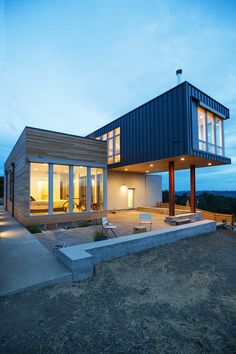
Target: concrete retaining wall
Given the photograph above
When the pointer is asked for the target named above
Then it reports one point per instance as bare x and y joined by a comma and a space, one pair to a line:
82, 258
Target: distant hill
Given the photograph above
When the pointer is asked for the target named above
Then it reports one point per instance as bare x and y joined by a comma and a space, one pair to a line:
229, 194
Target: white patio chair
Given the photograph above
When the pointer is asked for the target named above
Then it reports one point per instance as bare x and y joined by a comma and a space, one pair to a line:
145, 219
108, 226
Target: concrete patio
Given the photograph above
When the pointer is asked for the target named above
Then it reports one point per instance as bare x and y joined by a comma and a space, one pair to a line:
125, 220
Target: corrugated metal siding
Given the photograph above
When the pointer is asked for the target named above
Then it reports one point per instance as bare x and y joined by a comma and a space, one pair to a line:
155, 130
192, 94
199, 95
160, 128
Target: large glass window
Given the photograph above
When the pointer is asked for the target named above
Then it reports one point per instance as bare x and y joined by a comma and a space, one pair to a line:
113, 145
202, 128
210, 132
59, 177
97, 186
60, 188
219, 136
38, 188
79, 188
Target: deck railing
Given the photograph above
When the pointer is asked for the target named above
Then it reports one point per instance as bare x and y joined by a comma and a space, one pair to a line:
218, 217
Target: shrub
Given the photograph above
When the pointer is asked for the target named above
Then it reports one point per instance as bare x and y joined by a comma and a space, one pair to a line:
85, 223
99, 235
33, 229
73, 225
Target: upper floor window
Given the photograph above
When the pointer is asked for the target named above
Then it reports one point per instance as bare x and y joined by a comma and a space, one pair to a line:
210, 132
113, 145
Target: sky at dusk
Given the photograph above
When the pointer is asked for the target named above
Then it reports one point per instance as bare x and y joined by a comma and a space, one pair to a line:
73, 66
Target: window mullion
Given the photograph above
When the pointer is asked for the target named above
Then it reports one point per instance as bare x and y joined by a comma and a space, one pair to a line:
71, 188
50, 188
206, 118
88, 188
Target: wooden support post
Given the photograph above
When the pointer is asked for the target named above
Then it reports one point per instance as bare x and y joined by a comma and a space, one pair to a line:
171, 188
192, 189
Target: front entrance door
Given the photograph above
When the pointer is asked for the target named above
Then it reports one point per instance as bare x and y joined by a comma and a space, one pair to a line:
130, 198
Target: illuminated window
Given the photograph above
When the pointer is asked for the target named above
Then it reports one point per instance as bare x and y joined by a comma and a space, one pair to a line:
210, 132
110, 134
38, 188
219, 136
113, 145
110, 147
59, 177
60, 188
97, 187
80, 188
201, 124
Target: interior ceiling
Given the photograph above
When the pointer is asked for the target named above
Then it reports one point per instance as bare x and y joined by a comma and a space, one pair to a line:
181, 163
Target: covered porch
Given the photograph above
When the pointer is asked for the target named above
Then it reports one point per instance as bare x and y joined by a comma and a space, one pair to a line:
190, 162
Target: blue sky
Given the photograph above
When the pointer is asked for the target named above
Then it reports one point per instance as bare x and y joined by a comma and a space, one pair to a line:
73, 66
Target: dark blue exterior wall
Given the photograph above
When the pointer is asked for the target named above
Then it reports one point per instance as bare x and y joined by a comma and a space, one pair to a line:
161, 128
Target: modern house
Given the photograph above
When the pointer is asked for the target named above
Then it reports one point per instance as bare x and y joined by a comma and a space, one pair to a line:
52, 177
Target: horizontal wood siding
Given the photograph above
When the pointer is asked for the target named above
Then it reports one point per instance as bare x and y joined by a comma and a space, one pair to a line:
37, 142
17, 156
64, 146
63, 218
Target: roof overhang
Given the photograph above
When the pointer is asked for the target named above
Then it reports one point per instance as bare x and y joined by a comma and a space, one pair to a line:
181, 163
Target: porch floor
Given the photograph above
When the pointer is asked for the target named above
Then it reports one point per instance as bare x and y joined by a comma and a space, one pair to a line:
125, 220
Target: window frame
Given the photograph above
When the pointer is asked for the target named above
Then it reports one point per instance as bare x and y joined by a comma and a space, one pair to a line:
111, 136
71, 166
206, 142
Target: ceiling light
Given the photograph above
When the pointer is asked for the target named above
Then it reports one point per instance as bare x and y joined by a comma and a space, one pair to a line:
182, 159
151, 165
209, 164
147, 171
126, 169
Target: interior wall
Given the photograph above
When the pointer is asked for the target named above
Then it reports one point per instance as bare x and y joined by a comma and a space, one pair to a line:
147, 189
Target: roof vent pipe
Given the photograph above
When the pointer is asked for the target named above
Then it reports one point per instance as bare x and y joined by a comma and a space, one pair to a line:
179, 73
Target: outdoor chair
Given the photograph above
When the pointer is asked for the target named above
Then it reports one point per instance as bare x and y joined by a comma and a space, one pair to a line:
145, 219
107, 226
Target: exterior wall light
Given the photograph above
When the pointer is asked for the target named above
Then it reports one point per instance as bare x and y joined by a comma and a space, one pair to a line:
126, 169
147, 171
182, 159
123, 188
209, 164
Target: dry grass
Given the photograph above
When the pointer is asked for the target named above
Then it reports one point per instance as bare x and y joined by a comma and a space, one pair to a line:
178, 298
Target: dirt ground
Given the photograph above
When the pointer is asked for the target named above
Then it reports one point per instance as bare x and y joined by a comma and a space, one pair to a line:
177, 298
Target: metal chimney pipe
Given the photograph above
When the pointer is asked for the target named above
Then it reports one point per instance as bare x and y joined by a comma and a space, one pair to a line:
179, 73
